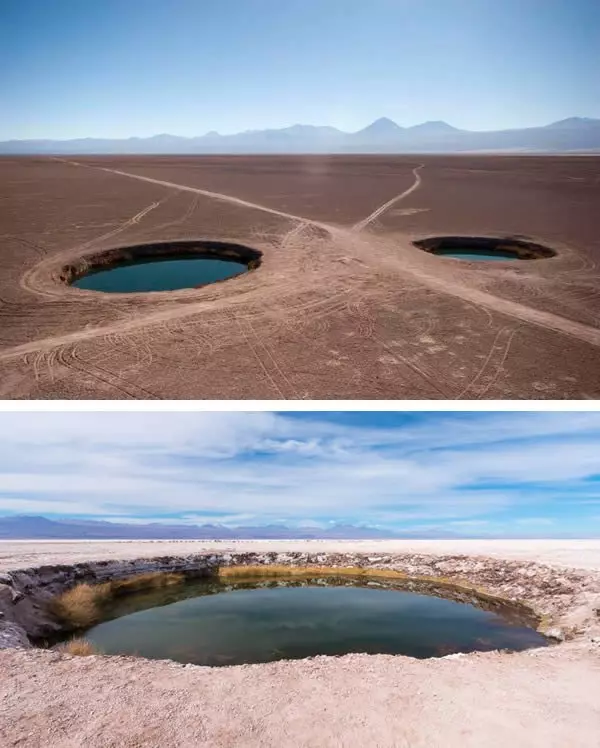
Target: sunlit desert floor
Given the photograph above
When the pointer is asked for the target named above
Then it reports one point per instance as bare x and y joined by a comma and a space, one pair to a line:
343, 305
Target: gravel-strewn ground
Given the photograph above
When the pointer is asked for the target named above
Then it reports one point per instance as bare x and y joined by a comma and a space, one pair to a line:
547, 699
540, 698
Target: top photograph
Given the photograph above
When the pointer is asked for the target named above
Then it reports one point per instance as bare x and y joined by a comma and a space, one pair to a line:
267, 200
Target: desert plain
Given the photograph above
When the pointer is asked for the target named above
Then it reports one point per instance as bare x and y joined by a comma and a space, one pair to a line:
540, 698
343, 305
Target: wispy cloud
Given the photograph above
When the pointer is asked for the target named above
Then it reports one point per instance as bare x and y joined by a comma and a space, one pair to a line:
392, 470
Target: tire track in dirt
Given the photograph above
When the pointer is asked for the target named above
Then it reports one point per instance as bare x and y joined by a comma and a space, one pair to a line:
71, 359
38, 248
536, 317
382, 209
294, 233
545, 320
133, 221
260, 341
492, 366
68, 358
479, 298
299, 237
40, 360
415, 368
207, 193
258, 358
366, 325
122, 327
177, 221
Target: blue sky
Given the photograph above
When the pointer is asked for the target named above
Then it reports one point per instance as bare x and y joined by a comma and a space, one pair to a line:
503, 474
116, 68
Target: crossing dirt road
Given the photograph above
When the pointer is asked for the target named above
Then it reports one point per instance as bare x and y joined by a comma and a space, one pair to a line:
343, 305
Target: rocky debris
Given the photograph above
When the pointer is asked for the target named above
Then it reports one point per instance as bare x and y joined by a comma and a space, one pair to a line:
13, 635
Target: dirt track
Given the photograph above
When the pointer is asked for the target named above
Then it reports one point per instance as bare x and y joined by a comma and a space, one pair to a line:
342, 307
543, 698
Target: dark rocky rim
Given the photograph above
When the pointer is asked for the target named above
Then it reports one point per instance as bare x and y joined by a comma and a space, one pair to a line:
181, 249
551, 595
517, 247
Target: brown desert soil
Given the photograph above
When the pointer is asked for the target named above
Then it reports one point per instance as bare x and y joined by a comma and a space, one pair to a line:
343, 305
538, 698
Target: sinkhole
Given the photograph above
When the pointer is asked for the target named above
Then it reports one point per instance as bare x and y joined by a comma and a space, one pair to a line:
481, 248
220, 622
160, 266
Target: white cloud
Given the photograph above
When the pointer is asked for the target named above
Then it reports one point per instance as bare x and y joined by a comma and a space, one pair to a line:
264, 465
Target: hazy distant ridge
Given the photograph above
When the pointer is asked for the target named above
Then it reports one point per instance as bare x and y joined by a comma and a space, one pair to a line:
382, 136
28, 527
25, 527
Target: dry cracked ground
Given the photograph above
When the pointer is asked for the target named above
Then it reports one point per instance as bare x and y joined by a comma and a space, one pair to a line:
546, 698
342, 307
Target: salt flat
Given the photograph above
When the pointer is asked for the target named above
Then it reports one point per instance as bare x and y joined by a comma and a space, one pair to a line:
14, 554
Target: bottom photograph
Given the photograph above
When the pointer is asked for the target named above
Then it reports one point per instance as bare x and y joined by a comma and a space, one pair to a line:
299, 579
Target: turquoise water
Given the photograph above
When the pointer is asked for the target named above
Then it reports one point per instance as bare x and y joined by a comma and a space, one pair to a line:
466, 254
218, 624
162, 275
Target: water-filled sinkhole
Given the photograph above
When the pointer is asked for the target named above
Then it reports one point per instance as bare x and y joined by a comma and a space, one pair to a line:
253, 621
160, 275
160, 266
482, 248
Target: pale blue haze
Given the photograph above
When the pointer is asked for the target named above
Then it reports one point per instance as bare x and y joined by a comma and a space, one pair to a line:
117, 68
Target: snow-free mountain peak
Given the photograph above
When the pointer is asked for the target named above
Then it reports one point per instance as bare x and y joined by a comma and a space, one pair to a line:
433, 127
575, 123
382, 126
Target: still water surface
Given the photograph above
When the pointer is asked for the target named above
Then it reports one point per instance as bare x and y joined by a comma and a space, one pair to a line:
218, 624
160, 275
467, 254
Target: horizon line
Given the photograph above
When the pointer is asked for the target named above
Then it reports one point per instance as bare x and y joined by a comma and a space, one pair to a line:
215, 133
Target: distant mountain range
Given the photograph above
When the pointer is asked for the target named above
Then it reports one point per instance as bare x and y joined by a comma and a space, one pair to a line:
41, 528
25, 527
382, 136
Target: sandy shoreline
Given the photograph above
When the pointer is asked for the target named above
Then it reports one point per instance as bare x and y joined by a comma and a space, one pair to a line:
545, 697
